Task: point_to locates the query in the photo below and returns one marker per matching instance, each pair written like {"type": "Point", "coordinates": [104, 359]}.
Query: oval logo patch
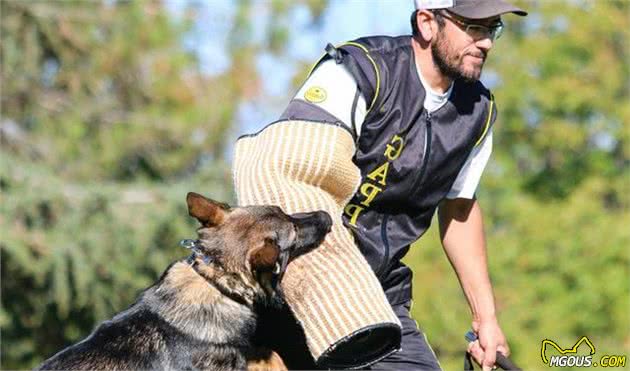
{"type": "Point", "coordinates": [315, 94]}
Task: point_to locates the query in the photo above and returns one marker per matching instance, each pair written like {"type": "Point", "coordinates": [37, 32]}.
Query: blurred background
{"type": "Point", "coordinates": [112, 110]}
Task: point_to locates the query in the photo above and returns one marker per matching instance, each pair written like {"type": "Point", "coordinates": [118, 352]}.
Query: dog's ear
{"type": "Point", "coordinates": [264, 258]}
{"type": "Point", "coordinates": [209, 213]}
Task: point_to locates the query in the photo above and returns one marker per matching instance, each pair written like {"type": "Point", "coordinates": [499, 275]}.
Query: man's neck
{"type": "Point", "coordinates": [427, 69]}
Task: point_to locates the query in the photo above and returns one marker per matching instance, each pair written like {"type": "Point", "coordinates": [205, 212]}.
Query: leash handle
{"type": "Point", "coordinates": [506, 363]}
{"type": "Point", "coordinates": [502, 361]}
{"type": "Point", "coordinates": [468, 363]}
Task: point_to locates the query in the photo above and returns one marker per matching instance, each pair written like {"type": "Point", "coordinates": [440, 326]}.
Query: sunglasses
{"type": "Point", "coordinates": [475, 30]}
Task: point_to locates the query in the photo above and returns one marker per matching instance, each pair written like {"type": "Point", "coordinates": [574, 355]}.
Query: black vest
{"type": "Point", "coordinates": [409, 159]}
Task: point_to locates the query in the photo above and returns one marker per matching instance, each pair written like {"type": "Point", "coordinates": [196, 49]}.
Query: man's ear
{"type": "Point", "coordinates": [264, 257]}
{"type": "Point", "coordinates": [424, 21]}
{"type": "Point", "coordinates": [208, 212]}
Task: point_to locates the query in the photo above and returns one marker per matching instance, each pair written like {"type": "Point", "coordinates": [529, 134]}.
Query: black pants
{"type": "Point", "coordinates": [416, 353]}
{"type": "Point", "coordinates": [290, 343]}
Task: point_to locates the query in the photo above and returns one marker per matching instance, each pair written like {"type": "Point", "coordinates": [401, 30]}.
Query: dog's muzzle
{"type": "Point", "coordinates": [311, 228]}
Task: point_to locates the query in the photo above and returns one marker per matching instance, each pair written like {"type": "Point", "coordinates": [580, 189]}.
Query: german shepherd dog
{"type": "Point", "coordinates": [202, 313]}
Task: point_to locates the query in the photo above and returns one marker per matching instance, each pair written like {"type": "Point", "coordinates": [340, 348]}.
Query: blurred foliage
{"type": "Point", "coordinates": [106, 91]}
{"type": "Point", "coordinates": [107, 122]}
{"type": "Point", "coordinates": [555, 194]}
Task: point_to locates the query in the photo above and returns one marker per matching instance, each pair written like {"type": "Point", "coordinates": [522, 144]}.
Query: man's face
{"type": "Point", "coordinates": [457, 53]}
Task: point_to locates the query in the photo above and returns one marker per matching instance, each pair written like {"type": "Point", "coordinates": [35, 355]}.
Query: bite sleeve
{"type": "Point", "coordinates": [304, 166]}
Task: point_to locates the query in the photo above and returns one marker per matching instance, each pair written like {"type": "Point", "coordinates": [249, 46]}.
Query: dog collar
{"type": "Point", "coordinates": [195, 247]}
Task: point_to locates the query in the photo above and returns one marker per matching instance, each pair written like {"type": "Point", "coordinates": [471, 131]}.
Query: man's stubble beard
{"type": "Point", "coordinates": [449, 63]}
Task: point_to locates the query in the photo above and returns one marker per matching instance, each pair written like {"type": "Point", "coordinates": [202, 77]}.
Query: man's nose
{"type": "Point", "coordinates": [484, 44]}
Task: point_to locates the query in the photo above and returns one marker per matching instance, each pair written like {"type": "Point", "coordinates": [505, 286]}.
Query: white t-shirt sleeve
{"type": "Point", "coordinates": [468, 178]}
{"type": "Point", "coordinates": [340, 89]}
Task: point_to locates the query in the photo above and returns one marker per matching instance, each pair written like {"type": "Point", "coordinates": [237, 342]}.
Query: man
{"type": "Point", "coordinates": [423, 128]}
{"type": "Point", "coordinates": [386, 130]}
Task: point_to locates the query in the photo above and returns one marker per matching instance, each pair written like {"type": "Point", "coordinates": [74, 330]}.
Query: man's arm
{"type": "Point", "coordinates": [461, 231]}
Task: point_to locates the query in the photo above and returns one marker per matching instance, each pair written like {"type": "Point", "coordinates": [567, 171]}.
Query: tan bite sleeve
{"type": "Point", "coordinates": [301, 167]}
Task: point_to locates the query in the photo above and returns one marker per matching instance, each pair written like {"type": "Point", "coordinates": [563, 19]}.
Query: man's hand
{"type": "Point", "coordinates": [490, 339]}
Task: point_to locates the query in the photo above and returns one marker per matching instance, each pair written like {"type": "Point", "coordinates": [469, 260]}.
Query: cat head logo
{"type": "Point", "coordinates": [564, 353]}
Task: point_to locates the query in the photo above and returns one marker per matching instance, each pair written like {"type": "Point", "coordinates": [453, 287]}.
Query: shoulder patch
{"type": "Point", "coordinates": [315, 94]}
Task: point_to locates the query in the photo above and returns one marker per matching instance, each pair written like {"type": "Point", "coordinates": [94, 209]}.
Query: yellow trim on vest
{"type": "Point", "coordinates": [378, 75]}
{"type": "Point", "coordinates": [485, 130]}
{"type": "Point", "coordinates": [310, 71]}
{"type": "Point", "coordinates": [367, 54]}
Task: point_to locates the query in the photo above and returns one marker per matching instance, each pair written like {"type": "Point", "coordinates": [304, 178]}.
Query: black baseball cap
{"type": "Point", "coordinates": [472, 9]}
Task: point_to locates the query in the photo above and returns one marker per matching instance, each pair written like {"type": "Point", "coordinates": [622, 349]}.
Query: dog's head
{"type": "Point", "coordinates": [255, 241]}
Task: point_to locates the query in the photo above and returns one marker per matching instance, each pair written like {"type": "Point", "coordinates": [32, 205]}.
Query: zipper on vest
{"type": "Point", "coordinates": [418, 182]}
{"type": "Point", "coordinates": [427, 153]}
{"type": "Point", "coordinates": [385, 240]}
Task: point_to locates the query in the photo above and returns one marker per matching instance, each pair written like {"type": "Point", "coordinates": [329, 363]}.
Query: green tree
{"type": "Point", "coordinates": [103, 111]}
{"type": "Point", "coordinates": [106, 90]}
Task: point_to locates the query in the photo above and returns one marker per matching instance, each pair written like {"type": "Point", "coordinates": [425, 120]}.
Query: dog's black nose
{"type": "Point", "coordinates": [320, 219]}
{"type": "Point", "coordinates": [312, 229]}
{"type": "Point", "coordinates": [325, 220]}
